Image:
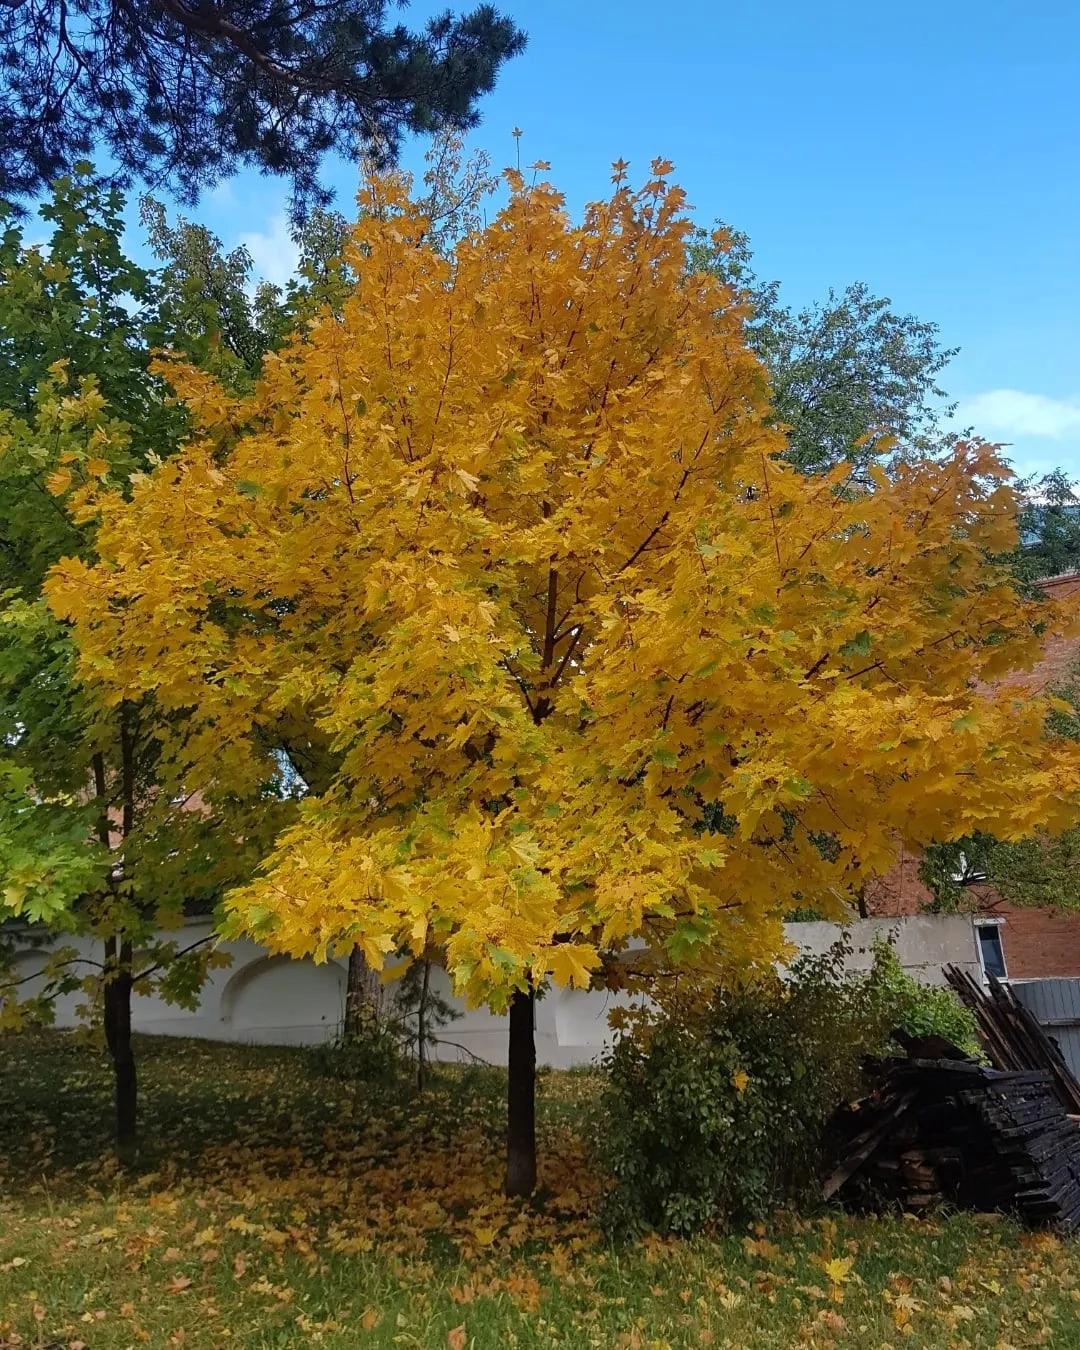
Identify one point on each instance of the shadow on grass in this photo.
(199, 1096)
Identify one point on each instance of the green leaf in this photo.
(859, 645)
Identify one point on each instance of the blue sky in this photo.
(928, 149)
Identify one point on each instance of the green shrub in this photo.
(377, 1054)
(920, 1009)
(716, 1099)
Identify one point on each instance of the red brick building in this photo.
(1026, 943)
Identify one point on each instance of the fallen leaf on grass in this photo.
(768, 1251)
(839, 1268)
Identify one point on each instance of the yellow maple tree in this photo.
(504, 544)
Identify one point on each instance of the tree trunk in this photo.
(363, 995)
(118, 1038)
(422, 1029)
(521, 1098)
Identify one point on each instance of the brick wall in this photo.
(1038, 943)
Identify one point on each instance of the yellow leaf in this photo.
(395, 971)
(571, 964)
(740, 1079)
(58, 482)
(838, 1268)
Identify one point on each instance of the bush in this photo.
(920, 1009)
(376, 1054)
(716, 1099)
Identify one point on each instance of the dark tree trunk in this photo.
(521, 1098)
(422, 1028)
(118, 1039)
(363, 995)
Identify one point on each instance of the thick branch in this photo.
(212, 23)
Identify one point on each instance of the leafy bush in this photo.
(716, 1099)
(376, 1054)
(920, 1009)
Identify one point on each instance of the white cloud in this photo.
(273, 251)
(1007, 414)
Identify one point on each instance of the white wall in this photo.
(274, 1000)
(924, 943)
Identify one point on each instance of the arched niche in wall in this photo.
(278, 999)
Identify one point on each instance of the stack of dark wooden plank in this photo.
(1011, 1035)
(951, 1131)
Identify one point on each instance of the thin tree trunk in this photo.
(421, 1029)
(117, 996)
(119, 953)
(521, 1098)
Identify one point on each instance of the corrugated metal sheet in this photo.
(1056, 1003)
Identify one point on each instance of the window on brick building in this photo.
(991, 948)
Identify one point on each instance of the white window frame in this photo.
(991, 923)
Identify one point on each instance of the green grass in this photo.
(274, 1206)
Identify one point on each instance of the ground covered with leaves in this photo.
(276, 1206)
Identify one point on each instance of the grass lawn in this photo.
(274, 1206)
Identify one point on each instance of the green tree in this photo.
(180, 95)
(851, 378)
(1049, 527)
(98, 835)
(209, 304)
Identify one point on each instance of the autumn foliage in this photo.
(506, 541)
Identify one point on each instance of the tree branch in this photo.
(46, 975)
